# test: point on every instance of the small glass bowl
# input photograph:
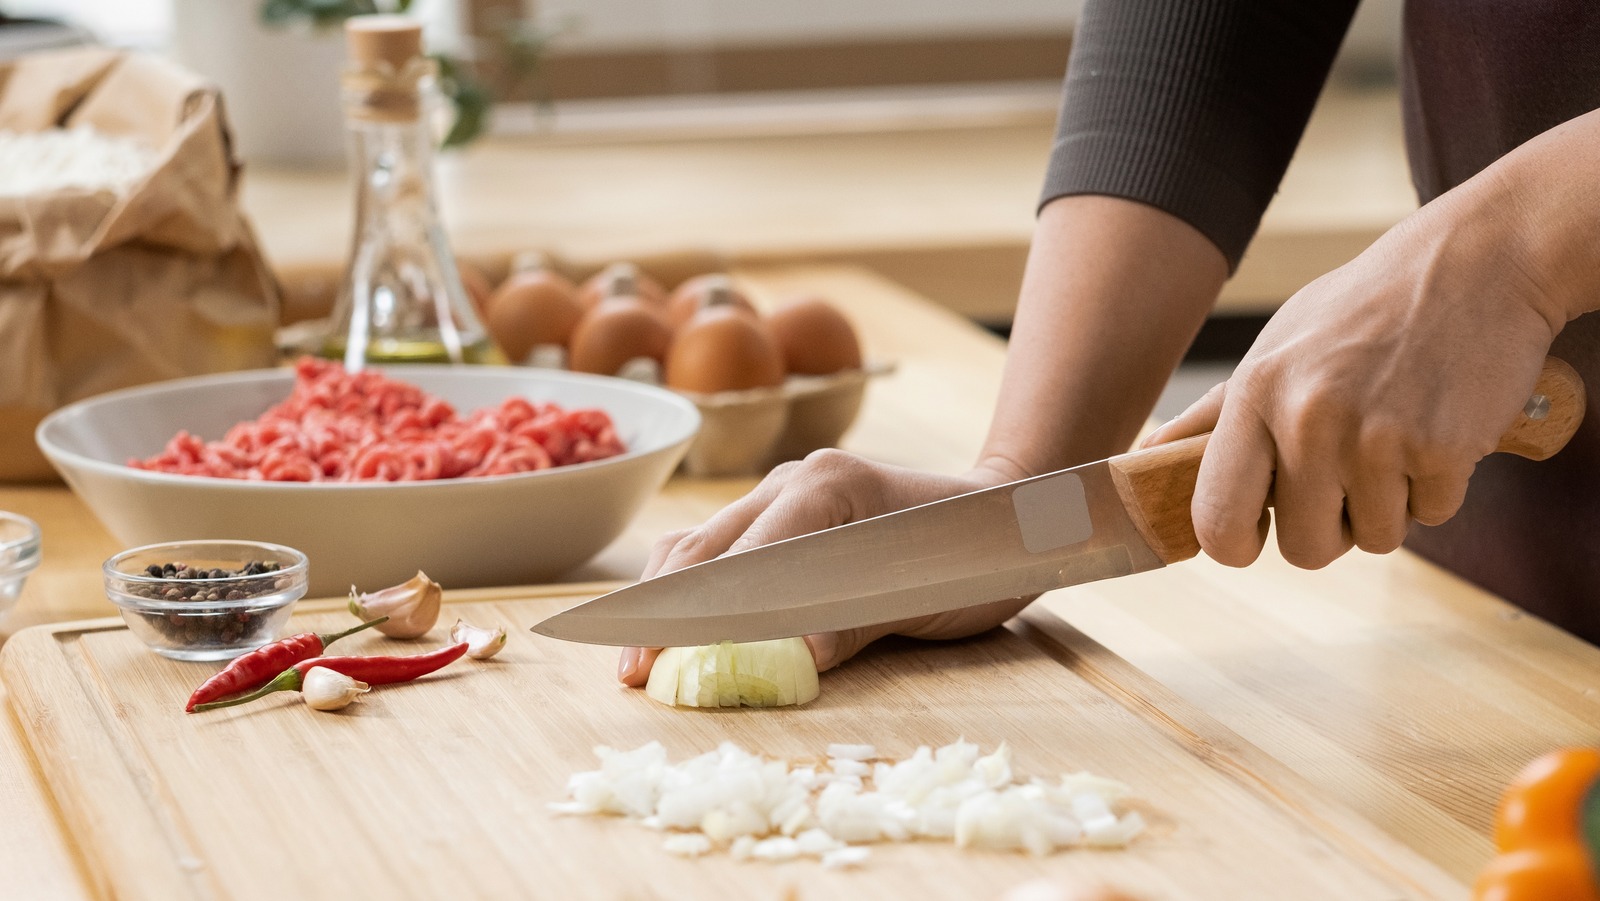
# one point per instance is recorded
(19, 556)
(216, 599)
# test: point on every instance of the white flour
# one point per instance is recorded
(35, 162)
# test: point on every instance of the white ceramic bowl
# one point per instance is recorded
(497, 530)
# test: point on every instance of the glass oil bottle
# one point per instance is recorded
(402, 300)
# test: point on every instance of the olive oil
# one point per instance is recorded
(413, 350)
(402, 300)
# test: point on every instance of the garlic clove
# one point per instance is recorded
(412, 606)
(325, 689)
(481, 643)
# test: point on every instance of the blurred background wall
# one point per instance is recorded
(640, 47)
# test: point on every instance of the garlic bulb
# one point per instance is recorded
(481, 643)
(412, 606)
(325, 689)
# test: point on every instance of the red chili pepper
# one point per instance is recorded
(372, 670)
(261, 664)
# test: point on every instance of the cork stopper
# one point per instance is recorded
(377, 42)
(385, 69)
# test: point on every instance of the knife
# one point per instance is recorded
(1122, 515)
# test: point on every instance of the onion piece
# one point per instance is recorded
(686, 844)
(806, 687)
(762, 809)
(774, 673)
(848, 856)
(663, 684)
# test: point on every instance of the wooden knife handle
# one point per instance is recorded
(1157, 484)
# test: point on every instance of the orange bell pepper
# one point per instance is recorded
(1548, 832)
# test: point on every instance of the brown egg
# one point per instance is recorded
(815, 337)
(532, 307)
(710, 289)
(621, 280)
(616, 331)
(477, 284)
(722, 348)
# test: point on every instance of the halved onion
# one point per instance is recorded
(774, 673)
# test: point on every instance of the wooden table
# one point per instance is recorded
(942, 201)
(1409, 697)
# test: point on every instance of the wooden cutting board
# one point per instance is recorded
(437, 789)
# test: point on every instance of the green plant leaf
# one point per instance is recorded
(471, 99)
(320, 13)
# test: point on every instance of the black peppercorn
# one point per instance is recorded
(202, 626)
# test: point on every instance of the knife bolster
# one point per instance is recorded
(1156, 486)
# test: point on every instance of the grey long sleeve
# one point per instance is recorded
(1192, 106)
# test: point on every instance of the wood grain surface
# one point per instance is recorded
(1401, 691)
(1412, 696)
(35, 855)
(437, 789)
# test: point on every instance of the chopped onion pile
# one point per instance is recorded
(763, 809)
(755, 674)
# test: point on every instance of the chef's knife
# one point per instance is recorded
(1122, 515)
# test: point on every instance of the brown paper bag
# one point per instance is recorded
(105, 289)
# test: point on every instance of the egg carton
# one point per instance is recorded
(748, 432)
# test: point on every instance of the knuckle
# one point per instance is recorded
(784, 472)
(832, 463)
(1304, 554)
(1251, 379)
(669, 540)
(1380, 439)
(1435, 511)
(1316, 417)
(1444, 461)
(1379, 539)
(694, 544)
(1434, 517)
(843, 481)
(1222, 533)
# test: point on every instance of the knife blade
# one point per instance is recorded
(1101, 520)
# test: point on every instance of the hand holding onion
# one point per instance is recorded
(826, 489)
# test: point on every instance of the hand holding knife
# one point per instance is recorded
(1113, 517)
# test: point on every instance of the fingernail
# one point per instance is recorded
(629, 663)
(824, 647)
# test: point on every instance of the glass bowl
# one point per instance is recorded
(206, 600)
(19, 556)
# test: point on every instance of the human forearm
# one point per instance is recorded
(1113, 294)
(1178, 119)
(1550, 188)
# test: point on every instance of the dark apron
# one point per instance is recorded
(1480, 77)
